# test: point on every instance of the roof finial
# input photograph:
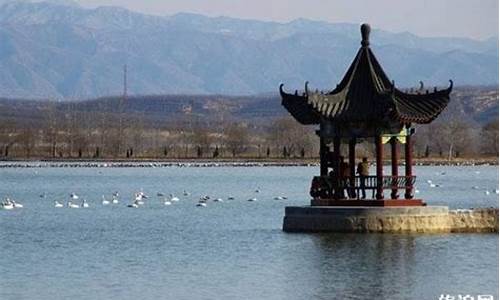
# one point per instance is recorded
(365, 35)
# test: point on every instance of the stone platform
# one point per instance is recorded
(368, 202)
(410, 219)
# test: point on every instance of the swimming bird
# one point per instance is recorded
(16, 205)
(475, 187)
(257, 190)
(201, 204)
(429, 181)
(116, 194)
(173, 198)
(486, 192)
(134, 204)
(7, 204)
(166, 202)
(185, 193)
(160, 194)
(417, 191)
(218, 200)
(104, 200)
(496, 191)
(72, 205)
(57, 204)
(74, 196)
(230, 198)
(138, 199)
(252, 199)
(115, 199)
(84, 204)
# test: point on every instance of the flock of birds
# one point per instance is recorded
(432, 184)
(139, 199)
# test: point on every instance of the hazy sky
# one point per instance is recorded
(464, 18)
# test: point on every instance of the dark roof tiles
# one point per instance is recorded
(366, 94)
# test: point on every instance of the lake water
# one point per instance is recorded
(229, 250)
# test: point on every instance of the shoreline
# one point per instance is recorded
(155, 163)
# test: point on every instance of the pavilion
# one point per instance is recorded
(365, 106)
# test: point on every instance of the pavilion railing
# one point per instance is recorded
(324, 186)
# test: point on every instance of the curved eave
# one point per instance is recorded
(420, 108)
(299, 108)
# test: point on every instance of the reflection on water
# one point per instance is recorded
(381, 266)
(355, 266)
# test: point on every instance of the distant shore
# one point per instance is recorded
(250, 162)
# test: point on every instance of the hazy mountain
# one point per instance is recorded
(64, 51)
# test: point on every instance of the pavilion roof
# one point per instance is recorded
(366, 94)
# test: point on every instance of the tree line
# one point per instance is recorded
(60, 132)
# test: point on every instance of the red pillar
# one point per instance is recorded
(394, 164)
(352, 167)
(379, 149)
(408, 167)
(336, 168)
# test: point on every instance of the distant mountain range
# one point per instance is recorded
(52, 50)
(476, 106)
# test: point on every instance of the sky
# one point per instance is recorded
(476, 19)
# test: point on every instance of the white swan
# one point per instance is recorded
(16, 205)
(57, 204)
(72, 205)
(84, 204)
(133, 205)
(486, 192)
(496, 191)
(166, 202)
(74, 196)
(115, 199)
(173, 198)
(7, 204)
(138, 199)
(104, 200)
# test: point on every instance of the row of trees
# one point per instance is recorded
(75, 134)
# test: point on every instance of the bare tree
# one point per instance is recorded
(489, 138)
(287, 134)
(236, 138)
